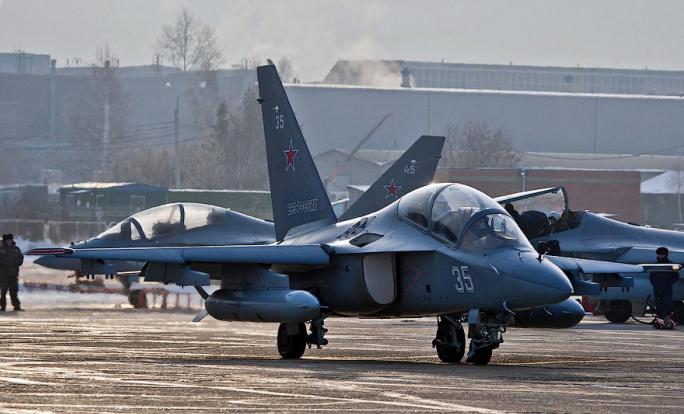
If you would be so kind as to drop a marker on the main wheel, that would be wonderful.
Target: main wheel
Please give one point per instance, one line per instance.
(291, 346)
(481, 357)
(618, 311)
(451, 342)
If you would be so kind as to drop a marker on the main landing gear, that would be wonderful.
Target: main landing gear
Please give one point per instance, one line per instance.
(450, 339)
(293, 338)
(486, 336)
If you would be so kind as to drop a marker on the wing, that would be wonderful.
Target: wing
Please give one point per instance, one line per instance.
(643, 254)
(589, 276)
(184, 265)
(594, 266)
(311, 254)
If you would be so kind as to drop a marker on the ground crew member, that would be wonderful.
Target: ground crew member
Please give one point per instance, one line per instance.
(10, 260)
(662, 291)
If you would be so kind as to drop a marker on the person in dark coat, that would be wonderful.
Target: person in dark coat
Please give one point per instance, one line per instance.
(518, 219)
(10, 260)
(662, 282)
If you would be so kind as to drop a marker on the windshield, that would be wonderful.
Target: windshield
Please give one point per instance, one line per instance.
(165, 220)
(543, 214)
(454, 206)
(494, 231)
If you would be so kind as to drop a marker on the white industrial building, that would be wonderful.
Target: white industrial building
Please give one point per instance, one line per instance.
(506, 77)
(340, 116)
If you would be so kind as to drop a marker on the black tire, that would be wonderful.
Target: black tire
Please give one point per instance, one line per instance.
(678, 312)
(618, 311)
(291, 346)
(481, 357)
(450, 353)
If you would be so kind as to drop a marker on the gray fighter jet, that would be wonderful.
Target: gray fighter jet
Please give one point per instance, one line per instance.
(545, 218)
(444, 250)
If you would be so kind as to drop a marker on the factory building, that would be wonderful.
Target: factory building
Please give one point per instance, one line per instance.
(507, 77)
(340, 116)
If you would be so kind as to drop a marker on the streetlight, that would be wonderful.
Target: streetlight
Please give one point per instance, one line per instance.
(176, 132)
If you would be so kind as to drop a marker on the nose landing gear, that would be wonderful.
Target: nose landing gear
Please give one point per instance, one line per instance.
(486, 335)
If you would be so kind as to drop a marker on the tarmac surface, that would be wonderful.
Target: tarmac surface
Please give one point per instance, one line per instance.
(122, 360)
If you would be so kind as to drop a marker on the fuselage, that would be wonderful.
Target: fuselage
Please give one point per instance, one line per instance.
(387, 265)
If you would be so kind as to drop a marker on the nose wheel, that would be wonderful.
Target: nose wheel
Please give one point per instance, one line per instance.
(480, 350)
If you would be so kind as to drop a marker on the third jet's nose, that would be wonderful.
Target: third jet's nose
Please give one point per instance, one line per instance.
(543, 283)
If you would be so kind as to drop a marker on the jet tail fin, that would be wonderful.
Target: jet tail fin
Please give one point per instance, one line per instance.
(414, 169)
(297, 193)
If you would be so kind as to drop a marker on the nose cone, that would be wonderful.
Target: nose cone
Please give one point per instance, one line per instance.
(537, 283)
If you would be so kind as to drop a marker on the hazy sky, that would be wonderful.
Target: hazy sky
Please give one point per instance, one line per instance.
(315, 33)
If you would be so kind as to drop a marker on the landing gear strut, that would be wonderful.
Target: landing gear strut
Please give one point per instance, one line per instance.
(450, 338)
(317, 333)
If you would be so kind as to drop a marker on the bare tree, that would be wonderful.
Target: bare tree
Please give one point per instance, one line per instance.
(676, 182)
(143, 165)
(476, 145)
(234, 157)
(97, 117)
(189, 44)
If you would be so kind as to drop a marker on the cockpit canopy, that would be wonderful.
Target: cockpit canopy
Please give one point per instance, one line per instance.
(448, 210)
(541, 212)
(165, 220)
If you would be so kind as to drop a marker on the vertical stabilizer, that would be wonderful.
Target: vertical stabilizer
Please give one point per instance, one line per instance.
(414, 169)
(297, 193)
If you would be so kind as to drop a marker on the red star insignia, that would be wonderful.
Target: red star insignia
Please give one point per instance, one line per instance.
(392, 189)
(290, 154)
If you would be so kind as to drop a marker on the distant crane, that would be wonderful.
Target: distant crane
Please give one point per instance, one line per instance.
(342, 164)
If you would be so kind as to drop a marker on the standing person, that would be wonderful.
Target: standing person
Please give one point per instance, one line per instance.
(10, 260)
(662, 291)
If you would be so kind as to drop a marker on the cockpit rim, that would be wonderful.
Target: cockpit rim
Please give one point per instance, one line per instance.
(428, 229)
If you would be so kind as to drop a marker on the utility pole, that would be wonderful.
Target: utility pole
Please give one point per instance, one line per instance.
(107, 81)
(176, 144)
